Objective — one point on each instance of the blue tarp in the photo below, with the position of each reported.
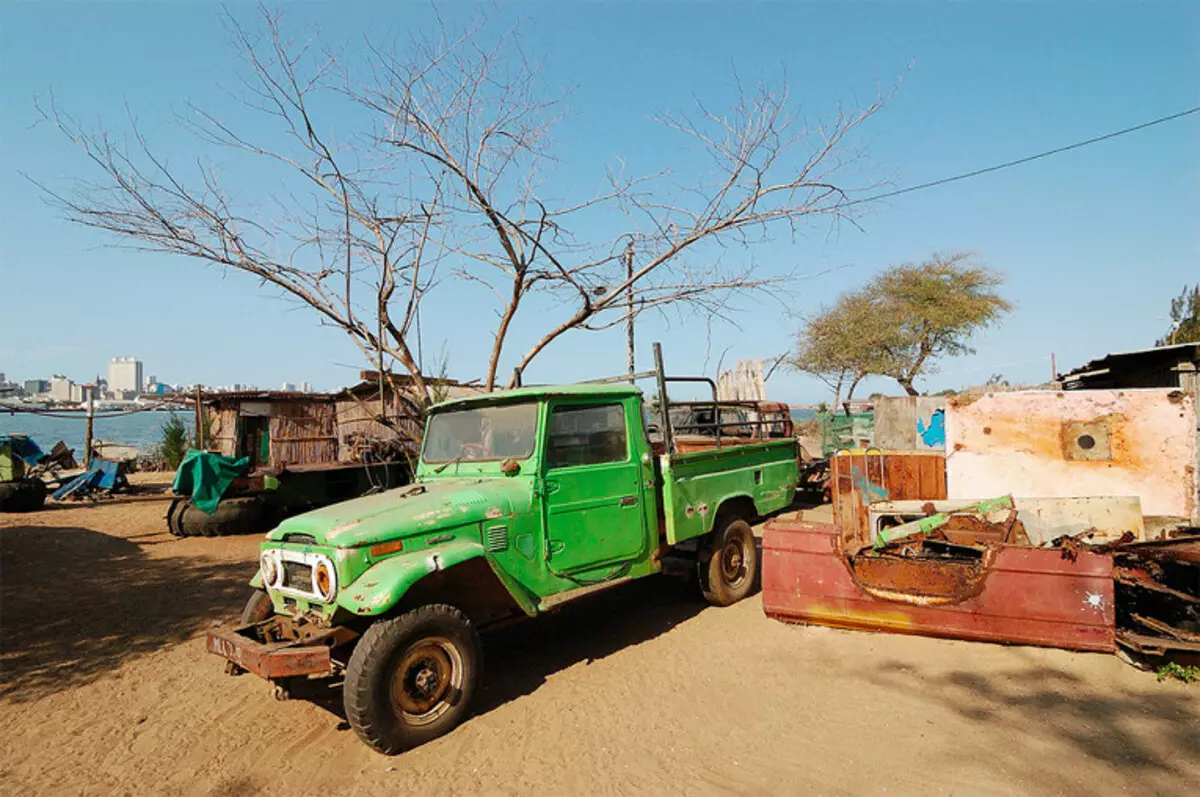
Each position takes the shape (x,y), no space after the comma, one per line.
(23,447)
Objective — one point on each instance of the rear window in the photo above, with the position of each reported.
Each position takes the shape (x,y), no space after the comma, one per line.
(587,435)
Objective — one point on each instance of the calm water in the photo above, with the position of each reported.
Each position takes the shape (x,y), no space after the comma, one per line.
(143,429)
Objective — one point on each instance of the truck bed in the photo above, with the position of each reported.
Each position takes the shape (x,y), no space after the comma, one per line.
(696,484)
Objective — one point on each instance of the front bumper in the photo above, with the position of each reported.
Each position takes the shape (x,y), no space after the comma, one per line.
(275,649)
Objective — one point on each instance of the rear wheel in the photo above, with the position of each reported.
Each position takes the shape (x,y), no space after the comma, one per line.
(730,568)
(411,678)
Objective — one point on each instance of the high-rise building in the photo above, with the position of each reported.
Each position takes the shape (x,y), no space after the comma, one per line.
(305,387)
(125,375)
(34,387)
(60,388)
(289,387)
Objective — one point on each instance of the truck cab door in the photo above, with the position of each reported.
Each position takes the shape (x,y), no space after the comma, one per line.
(594,486)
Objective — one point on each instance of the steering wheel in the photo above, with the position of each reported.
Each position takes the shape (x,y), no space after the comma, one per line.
(472,451)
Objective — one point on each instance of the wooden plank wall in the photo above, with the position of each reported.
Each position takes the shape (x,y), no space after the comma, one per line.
(303,433)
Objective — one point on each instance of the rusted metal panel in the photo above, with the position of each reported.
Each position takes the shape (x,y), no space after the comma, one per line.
(1103,518)
(1012,594)
(1078,443)
(861,478)
(268,660)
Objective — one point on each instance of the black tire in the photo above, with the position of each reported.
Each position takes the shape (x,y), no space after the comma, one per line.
(258,608)
(27,495)
(245,515)
(174,513)
(729,569)
(411,678)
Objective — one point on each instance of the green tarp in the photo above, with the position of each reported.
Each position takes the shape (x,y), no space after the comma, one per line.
(206,477)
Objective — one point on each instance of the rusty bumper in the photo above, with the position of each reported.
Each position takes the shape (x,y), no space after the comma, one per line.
(272,660)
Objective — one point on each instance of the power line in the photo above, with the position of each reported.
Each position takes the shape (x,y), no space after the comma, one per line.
(1019,161)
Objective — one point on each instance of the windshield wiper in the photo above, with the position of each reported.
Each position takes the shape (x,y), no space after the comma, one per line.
(445,465)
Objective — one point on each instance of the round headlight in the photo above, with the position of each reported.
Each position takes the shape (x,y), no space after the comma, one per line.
(270,570)
(323,581)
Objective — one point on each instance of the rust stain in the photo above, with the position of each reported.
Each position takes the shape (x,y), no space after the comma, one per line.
(924,582)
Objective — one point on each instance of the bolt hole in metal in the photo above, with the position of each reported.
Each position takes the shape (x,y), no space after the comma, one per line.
(427,680)
(1086,442)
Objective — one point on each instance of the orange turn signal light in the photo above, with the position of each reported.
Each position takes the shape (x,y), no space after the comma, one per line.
(385,548)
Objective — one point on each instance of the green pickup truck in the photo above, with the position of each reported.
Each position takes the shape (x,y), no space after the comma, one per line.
(523,500)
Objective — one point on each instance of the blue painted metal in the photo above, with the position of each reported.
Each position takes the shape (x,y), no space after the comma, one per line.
(102,474)
(934,435)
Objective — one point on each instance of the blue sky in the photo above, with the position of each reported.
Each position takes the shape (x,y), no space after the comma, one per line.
(1093,243)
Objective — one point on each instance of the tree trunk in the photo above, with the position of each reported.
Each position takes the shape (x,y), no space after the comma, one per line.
(908,387)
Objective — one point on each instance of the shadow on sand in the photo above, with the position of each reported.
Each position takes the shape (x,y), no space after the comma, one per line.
(76,603)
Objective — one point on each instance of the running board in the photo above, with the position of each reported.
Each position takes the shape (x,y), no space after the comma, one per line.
(545,604)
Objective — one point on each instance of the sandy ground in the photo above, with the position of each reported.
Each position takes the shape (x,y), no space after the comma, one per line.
(106,690)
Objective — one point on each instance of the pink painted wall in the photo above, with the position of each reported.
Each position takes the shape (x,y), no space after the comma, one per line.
(1023,443)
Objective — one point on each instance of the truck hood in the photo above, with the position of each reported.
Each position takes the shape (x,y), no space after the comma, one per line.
(410,510)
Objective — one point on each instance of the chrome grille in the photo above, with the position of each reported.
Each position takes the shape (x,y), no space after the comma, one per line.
(497,538)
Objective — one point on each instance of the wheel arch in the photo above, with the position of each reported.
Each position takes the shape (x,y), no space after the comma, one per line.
(461,575)
(734,507)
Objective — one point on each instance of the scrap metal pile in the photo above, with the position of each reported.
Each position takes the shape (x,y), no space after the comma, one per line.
(973,573)
(1092,543)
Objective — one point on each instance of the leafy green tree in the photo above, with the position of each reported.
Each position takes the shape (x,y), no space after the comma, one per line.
(901,323)
(1185,318)
(934,309)
(843,344)
(174,442)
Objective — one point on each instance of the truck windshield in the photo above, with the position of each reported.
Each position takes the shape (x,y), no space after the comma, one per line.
(481,433)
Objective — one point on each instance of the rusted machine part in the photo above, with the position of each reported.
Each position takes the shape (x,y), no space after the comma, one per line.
(1155,645)
(973,530)
(1018,594)
(1137,577)
(1173,549)
(1166,629)
(922,582)
(279,647)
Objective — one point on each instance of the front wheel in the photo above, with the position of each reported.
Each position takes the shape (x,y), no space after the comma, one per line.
(411,678)
(731,568)
(258,608)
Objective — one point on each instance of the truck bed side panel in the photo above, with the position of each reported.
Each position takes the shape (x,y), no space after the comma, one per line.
(696,484)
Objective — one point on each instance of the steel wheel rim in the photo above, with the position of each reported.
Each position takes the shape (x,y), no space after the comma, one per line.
(427,680)
(734,568)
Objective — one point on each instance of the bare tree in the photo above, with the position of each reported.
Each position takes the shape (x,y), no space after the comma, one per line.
(444,176)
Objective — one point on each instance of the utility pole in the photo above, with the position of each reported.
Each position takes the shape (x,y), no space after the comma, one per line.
(199,421)
(88,433)
(1053,369)
(629,353)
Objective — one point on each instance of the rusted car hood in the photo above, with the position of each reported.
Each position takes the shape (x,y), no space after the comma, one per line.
(413,509)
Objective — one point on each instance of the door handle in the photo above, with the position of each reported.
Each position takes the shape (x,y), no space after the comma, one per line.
(629,500)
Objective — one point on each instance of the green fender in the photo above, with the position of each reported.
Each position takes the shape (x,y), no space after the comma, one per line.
(382,585)
(256,582)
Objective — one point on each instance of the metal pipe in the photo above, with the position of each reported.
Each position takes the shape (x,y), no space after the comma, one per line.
(663,406)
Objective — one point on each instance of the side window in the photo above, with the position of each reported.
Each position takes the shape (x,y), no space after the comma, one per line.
(587,435)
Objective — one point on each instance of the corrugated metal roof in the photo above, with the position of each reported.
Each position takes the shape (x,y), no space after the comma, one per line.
(1104,362)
